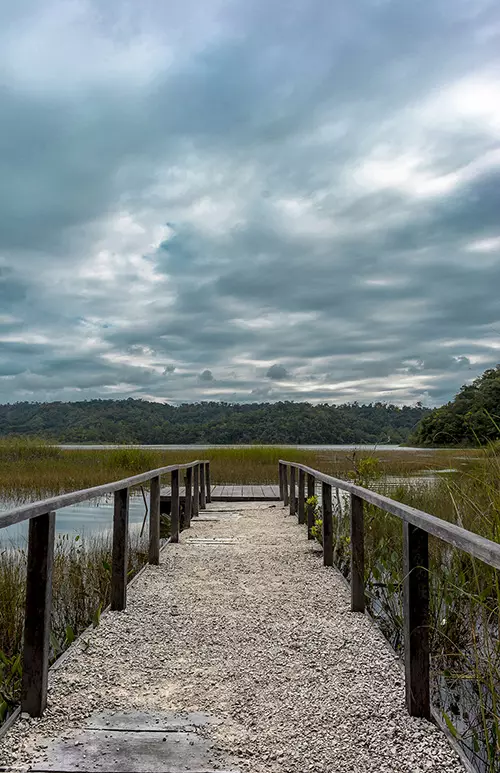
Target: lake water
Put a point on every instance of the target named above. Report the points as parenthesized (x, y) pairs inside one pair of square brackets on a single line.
[(82, 519), (97, 515), (204, 446)]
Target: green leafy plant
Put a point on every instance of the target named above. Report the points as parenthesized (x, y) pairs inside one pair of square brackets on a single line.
[(317, 527)]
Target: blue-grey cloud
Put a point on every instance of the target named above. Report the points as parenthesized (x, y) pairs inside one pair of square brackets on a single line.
[(247, 188), (276, 372)]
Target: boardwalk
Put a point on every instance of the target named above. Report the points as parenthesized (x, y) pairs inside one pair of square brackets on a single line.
[(234, 493), (245, 637)]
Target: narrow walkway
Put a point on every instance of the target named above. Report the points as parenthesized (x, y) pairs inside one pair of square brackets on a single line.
[(253, 635)]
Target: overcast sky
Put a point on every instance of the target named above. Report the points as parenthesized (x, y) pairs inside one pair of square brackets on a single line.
[(248, 199)]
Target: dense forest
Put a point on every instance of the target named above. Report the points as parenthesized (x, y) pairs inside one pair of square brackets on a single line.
[(139, 421), (471, 418)]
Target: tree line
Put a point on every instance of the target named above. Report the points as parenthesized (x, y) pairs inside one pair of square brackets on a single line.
[(140, 421), (472, 418)]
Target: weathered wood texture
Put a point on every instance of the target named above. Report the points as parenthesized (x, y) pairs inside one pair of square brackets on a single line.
[(327, 525), (301, 512), (174, 514), (310, 507), (154, 521), (196, 491), (37, 615), (357, 555), (416, 620), (293, 492), (120, 551), (280, 481), (286, 498), (203, 492), (484, 549), (207, 482), (188, 502), (25, 512)]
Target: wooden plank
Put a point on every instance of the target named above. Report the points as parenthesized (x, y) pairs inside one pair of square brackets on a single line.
[(135, 721), (25, 512), (174, 515), (285, 487), (203, 491), (37, 615), (188, 504), (292, 490), (302, 496), (119, 565), (327, 525), (196, 492), (118, 751), (310, 509), (280, 480), (154, 521), (416, 620), (484, 549), (207, 480), (357, 555)]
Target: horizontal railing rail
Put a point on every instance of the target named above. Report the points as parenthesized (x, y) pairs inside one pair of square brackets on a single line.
[(479, 547), (41, 542), (33, 509), (417, 525)]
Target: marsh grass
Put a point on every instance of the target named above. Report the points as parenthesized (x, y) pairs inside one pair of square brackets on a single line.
[(32, 469), (464, 594), (81, 590)]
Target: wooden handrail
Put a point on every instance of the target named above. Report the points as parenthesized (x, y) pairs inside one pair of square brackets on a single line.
[(417, 525), (42, 518), (25, 512), (479, 547)]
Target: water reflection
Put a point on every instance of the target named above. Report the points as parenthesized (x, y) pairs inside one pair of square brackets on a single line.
[(85, 518)]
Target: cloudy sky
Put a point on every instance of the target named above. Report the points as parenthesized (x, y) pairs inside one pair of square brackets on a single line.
[(248, 200)]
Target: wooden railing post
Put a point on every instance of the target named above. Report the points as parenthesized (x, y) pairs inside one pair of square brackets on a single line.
[(357, 555), (174, 512), (327, 525), (37, 615), (195, 511), (280, 480), (310, 508), (119, 565), (416, 620), (286, 498), (154, 521), (203, 498), (302, 497), (207, 481), (188, 501), (292, 490)]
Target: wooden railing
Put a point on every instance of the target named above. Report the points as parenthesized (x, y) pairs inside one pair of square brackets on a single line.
[(42, 518), (417, 525)]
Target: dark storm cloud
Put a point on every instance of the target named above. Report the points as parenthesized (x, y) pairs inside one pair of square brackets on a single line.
[(277, 373), (301, 194)]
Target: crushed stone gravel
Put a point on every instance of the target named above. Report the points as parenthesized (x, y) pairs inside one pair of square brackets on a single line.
[(257, 633)]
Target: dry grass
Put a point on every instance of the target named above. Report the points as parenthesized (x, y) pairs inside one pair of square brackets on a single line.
[(31, 469)]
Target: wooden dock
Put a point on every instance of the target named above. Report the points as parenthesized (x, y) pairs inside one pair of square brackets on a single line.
[(217, 560), (232, 493)]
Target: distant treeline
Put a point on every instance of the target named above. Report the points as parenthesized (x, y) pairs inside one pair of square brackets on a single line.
[(139, 421), (471, 418)]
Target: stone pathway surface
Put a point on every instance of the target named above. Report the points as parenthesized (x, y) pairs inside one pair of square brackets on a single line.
[(253, 632)]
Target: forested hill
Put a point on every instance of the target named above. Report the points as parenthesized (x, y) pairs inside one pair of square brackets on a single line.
[(138, 421), (471, 418)]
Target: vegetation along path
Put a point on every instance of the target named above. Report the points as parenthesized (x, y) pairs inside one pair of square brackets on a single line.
[(244, 636)]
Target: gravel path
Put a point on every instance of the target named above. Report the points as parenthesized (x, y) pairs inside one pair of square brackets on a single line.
[(259, 634)]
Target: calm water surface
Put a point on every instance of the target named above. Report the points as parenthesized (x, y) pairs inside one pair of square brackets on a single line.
[(95, 516)]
